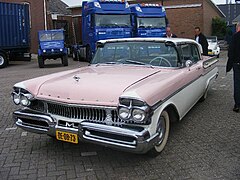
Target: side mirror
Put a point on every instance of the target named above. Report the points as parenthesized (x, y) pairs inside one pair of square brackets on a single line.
[(189, 63)]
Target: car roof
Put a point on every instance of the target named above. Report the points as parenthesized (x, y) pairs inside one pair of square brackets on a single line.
[(176, 41)]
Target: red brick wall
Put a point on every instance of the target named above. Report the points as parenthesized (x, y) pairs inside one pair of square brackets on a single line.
[(183, 20), (37, 19)]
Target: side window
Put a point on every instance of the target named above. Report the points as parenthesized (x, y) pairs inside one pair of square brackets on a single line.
[(186, 52), (195, 53), (189, 52)]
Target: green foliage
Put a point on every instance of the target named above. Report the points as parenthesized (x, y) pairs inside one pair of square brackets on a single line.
[(219, 27)]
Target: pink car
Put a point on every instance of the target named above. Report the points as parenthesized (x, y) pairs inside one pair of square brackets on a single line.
[(125, 99)]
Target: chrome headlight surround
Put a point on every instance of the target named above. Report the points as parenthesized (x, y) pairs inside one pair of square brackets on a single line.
[(21, 96), (134, 110)]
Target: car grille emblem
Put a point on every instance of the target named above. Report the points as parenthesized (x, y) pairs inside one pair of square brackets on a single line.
[(71, 125), (76, 78)]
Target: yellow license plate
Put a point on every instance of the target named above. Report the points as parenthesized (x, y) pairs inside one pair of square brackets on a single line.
[(66, 136)]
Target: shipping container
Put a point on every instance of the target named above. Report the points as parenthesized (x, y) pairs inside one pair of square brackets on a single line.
[(14, 32)]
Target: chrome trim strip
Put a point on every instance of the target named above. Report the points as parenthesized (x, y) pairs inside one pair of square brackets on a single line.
[(208, 63), (156, 105), (88, 134), (111, 129), (142, 143), (108, 142), (31, 128)]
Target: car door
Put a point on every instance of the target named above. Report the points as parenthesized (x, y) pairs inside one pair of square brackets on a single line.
[(193, 85)]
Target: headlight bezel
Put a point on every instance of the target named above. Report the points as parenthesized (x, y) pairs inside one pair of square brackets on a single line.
[(25, 97), (135, 106)]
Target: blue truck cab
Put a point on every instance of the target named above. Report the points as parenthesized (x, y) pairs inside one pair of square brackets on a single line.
[(149, 20), (104, 19), (52, 46)]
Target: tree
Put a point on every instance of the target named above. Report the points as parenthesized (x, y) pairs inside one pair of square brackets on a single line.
[(219, 27)]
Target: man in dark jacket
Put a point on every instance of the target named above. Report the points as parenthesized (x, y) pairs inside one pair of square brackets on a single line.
[(234, 62), (201, 39)]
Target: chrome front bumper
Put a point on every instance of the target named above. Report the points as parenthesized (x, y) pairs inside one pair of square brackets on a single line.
[(127, 138)]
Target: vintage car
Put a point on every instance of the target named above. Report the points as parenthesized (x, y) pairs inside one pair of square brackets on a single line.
[(125, 99), (213, 47)]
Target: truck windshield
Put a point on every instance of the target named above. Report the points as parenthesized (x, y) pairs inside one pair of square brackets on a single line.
[(147, 22), (56, 36), (138, 53), (112, 20)]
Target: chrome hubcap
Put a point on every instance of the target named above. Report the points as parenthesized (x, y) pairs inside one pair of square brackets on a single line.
[(161, 130)]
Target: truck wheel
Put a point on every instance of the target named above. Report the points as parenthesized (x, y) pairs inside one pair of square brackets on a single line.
[(163, 128), (65, 60), (3, 60), (40, 62)]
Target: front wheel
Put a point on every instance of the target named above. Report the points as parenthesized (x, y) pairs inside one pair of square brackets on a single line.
[(65, 60), (3, 60), (163, 128), (40, 62)]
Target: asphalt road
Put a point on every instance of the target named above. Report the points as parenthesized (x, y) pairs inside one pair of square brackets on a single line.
[(204, 145)]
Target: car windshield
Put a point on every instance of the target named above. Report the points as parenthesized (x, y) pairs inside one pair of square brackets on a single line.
[(147, 22), (51, 36), (112, 20), (138, 53), (212, 39)]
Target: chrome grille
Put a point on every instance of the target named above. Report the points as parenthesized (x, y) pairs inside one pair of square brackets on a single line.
[(77, 112), (91, 114)]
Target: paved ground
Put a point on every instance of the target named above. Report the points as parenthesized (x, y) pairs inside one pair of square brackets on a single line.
[(205, 145)]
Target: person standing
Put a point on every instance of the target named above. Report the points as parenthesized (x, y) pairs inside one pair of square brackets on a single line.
[(169, 34), (234, 63), (201, 39)]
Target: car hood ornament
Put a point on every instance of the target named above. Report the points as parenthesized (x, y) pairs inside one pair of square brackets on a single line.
[(76, 78)]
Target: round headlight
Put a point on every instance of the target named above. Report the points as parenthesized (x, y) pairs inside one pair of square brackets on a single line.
[(124, 113), (16, 98), (138, 115), (25, 101)]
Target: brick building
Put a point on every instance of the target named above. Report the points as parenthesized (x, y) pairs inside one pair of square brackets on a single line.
[(77, 23), (60, 17)]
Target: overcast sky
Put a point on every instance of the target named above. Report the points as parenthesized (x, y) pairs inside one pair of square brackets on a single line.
[(77, 2)]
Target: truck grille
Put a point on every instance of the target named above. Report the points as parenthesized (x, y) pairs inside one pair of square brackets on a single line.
[(91, 114)]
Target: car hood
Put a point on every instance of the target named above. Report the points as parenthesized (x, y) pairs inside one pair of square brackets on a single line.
[(96, 84)]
